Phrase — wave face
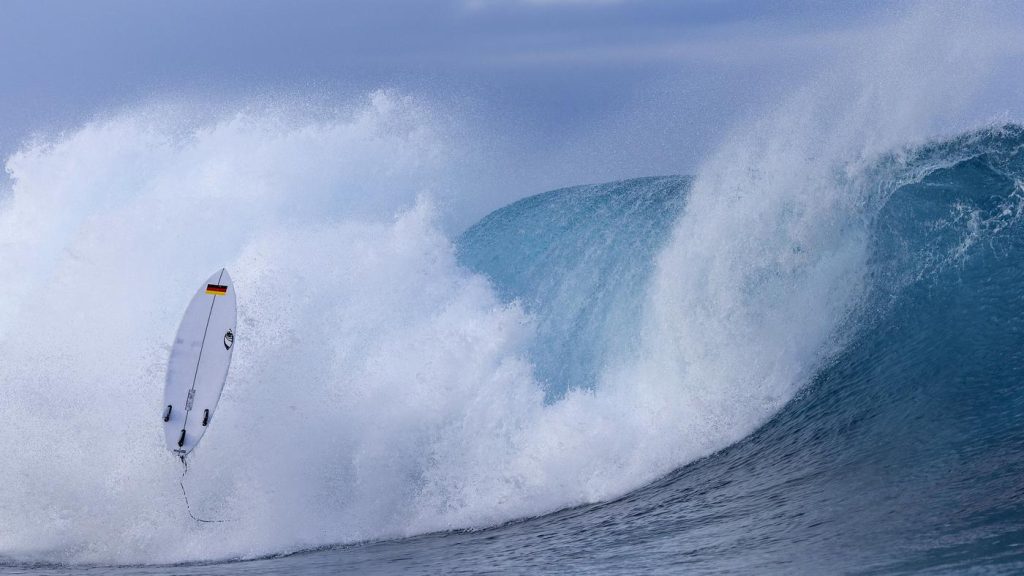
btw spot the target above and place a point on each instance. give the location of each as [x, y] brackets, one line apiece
[905, 451]
[579, 261]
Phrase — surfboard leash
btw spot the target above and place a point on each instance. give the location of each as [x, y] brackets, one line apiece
[183, 493]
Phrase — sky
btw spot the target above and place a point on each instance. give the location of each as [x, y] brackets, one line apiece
[581, 90]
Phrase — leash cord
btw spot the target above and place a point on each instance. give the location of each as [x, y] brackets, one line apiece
[183, 493]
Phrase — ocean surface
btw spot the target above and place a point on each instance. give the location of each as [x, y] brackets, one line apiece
[806, 358]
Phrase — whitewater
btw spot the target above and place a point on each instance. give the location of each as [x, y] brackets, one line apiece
[803, 357]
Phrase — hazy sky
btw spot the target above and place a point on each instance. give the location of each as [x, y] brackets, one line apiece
[636, 86]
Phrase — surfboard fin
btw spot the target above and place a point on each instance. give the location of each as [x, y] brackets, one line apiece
[206, 417]
[167, 413]
[181, 439]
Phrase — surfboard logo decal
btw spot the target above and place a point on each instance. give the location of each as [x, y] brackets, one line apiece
[229, 339]
[216, 289]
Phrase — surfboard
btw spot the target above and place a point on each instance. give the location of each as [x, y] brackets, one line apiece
[198, 365]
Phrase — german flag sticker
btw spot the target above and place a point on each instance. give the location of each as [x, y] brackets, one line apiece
[216, 289]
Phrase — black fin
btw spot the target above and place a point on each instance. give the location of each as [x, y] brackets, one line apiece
[206, 417]
[181, 439]
[167, 414]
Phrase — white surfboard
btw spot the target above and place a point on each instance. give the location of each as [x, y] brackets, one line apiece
[199, 362]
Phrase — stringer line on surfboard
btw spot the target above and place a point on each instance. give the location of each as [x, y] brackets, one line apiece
[195, 375]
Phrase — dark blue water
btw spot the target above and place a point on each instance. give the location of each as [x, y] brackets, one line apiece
[903, 454]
